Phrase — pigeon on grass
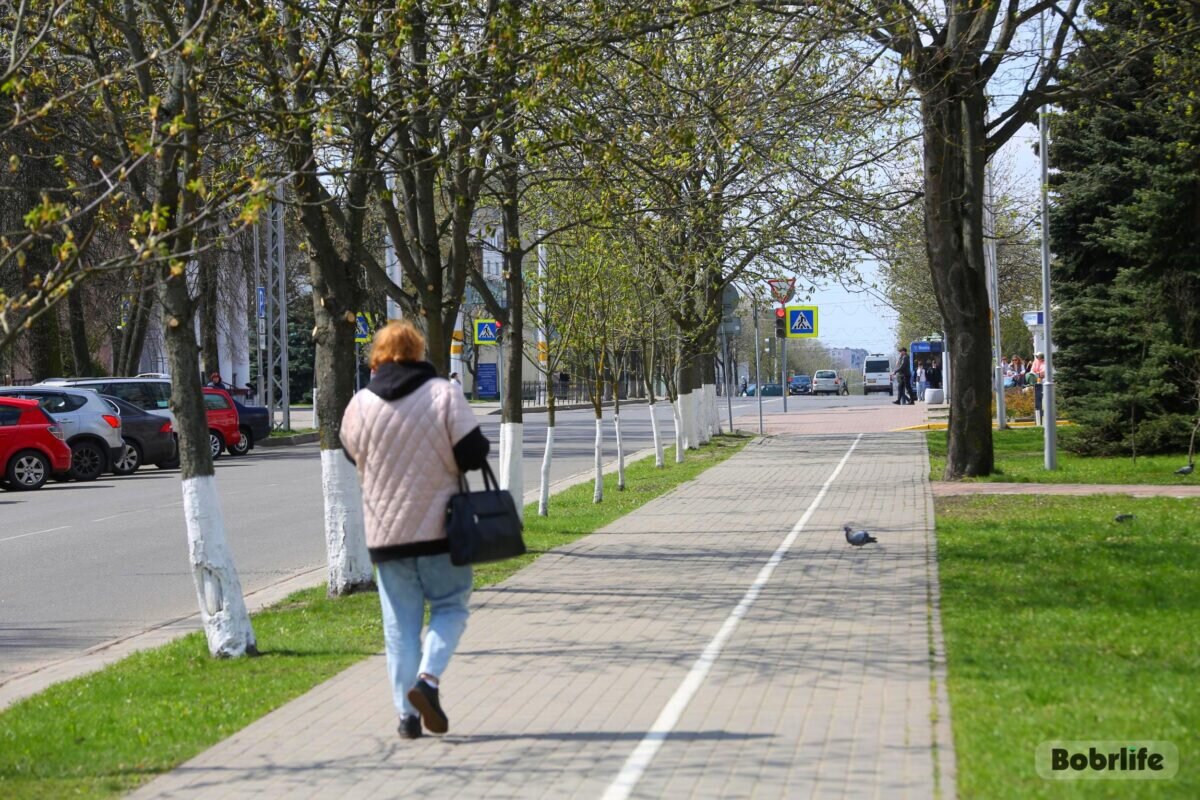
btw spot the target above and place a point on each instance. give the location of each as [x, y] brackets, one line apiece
[1185, 469]
[858, 538]
[1123, 517]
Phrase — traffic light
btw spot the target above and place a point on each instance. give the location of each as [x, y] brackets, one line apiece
[780, 324]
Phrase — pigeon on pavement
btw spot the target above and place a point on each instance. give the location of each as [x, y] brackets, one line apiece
[1122, 517]
[1185, 470]
[858, 538]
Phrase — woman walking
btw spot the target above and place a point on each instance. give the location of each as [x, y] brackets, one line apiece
[412, 434]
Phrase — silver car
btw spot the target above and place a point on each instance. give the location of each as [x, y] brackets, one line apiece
[91, 429]
[826, 381]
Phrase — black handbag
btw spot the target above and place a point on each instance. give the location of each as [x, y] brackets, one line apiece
[483, 526]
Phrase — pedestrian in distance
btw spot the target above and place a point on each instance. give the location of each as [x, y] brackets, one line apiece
[903, 379]
[921, 380]
[412, 435]
[215, 382]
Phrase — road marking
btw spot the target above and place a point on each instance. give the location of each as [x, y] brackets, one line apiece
[35, 533]
[639, 760]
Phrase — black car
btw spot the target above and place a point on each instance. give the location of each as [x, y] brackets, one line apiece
[255, 424]
[148, 439]
[800, 384]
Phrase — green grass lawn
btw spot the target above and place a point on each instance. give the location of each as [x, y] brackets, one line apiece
[1063, 624]
[105, 733]
[1019, 459]
[296, 432]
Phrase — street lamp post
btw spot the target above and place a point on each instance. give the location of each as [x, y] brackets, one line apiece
[1048, 411]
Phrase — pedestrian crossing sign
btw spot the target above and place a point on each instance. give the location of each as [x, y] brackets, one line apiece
[801, 322]
[362, 327]
[485, 331]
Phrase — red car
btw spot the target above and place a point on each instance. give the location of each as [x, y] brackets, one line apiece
[224, 432]
[31, 445]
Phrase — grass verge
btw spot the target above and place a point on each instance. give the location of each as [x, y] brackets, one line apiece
[1061, 623]
[105, 733]
[1019, 459]
[283, 433]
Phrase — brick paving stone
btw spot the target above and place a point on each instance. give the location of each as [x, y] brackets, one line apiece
[823, 689]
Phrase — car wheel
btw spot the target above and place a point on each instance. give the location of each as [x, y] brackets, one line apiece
[216, 444]
[28, 469]
[243, 445]
[87, 461]
[172, 464]
[130, 460]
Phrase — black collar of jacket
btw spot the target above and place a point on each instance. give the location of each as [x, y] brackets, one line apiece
[396, 379]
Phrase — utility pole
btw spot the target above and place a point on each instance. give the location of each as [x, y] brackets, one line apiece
[758, 367]
[1048, 410]
[993, 274]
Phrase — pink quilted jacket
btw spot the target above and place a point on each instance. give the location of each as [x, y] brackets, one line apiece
[404, 451]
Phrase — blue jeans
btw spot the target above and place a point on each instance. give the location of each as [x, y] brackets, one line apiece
[404, 586]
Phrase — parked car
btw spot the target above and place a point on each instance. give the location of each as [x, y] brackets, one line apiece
[32, 447]
[800, 384]
[255, 424]
[877, 374]
[768, 390]
[224, 431]
[91, 429]
[826, 381]
[149, 439]
[152, 394]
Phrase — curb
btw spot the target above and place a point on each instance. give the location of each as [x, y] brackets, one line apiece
[289, 441]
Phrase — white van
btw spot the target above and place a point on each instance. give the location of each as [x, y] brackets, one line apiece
[877, 374]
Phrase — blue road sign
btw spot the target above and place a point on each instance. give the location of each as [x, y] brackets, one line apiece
[261, 295]
[362, 328]
[801, 322]
[485, 331]
[487, 381]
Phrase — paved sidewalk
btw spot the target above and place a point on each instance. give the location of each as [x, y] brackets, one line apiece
[820, 685]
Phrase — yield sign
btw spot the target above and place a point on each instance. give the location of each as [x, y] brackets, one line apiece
[801, 322]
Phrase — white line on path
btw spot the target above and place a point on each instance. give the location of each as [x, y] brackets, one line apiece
[35, 533]
[639, 760]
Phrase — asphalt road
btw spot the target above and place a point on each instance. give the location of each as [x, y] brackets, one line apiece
[81, 564]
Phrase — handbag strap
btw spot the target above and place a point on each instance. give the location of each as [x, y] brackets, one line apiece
[489, 478]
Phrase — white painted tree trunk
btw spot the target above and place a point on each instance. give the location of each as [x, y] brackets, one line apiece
[598, 492]
[687, 418]
[547, 458]
[704, 413]
[714, 414]
[699, 431]
[512, 447]
[218, 590]
[620, 453]
[345, 533]
[658, 444]
[677, 416]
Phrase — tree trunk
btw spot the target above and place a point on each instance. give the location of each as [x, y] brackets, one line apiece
[210, 350]
[218, 589]
[548, 456]
[81, 355]
[598, 487]
[688, 383]
[512, 439]
[617, 430]
[658, 445]
[955, 155]
[44, 347]
[349, 563]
